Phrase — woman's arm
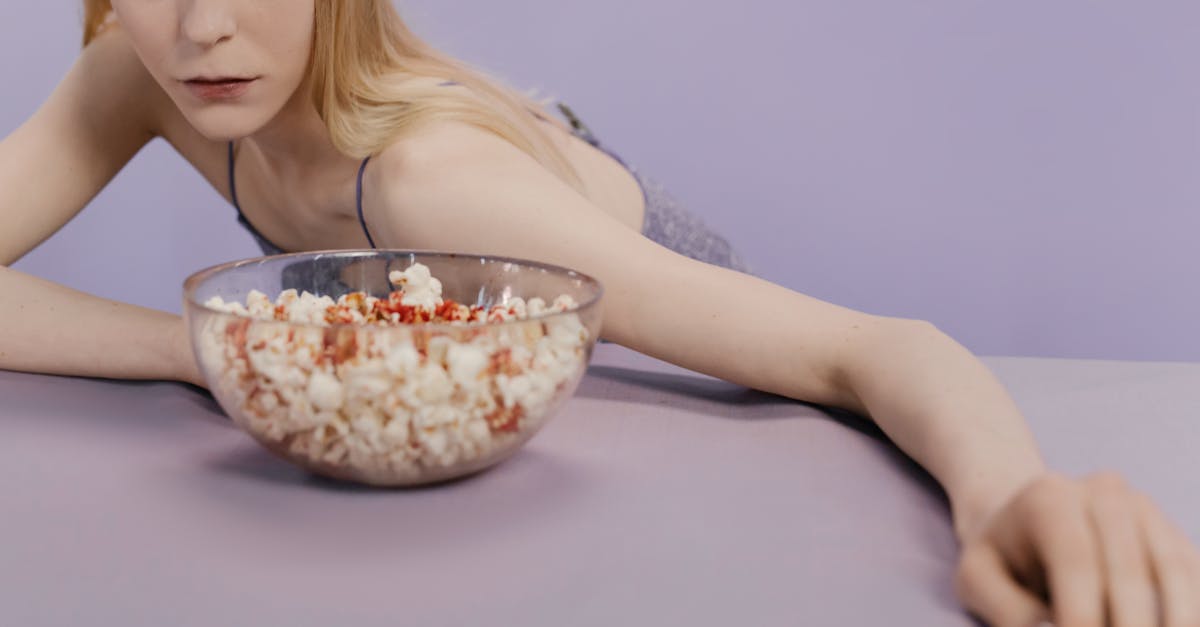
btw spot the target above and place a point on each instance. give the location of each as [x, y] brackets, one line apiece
[915, 382]
[53, 329]
[479, 195]
[99, 116]
[457, 188]
[943, 407]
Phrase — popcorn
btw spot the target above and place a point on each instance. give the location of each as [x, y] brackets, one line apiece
[325, 392]
[420, 288]
[386, 401]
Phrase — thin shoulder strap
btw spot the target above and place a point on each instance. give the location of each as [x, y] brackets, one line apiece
[358, 194]
[577, 125]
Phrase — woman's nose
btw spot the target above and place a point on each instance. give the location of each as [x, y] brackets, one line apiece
[208, 22]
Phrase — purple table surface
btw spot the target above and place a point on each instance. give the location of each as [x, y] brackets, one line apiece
[657, 496]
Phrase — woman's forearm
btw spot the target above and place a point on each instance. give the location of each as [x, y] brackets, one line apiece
[945, 409]
[933, 398]
[53, 329]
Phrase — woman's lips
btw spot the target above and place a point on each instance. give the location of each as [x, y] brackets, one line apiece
[220, 88]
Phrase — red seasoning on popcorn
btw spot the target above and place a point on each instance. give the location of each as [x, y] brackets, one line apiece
[321, 381]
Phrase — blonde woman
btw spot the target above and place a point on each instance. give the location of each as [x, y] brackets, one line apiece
[327, 124]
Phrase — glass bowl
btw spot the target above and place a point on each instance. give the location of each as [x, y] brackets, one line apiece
[392, 405]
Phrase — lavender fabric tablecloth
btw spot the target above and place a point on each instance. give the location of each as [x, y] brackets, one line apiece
[657, 496]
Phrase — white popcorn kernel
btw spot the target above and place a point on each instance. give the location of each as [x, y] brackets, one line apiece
[530, 390]
[477, 431]
[306, 346]
[309, 309]
[234, 308]
[566, 330]
[466, 362]
[481, 406]
[535, 306]
[271, 429]
[397, 429]
[302, 417]
[300, 445]
[287, 298]
[402, 359]
[542, 388]
[331, 427]
[435, 416]
[512, 388]
[335, 453]
[428, 384]
[517, 305]
[521, 355]
[437, 348]
[260, 306]
[318, 448]
[435, 442]
[402, 463]
[325, 391]
[267, 351]
[365, 381]
[269, 402]
[366, 432]
[563, 303]
[419, 286]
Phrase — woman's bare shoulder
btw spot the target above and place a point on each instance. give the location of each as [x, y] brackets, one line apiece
[429, 164]
[440, 143]
[452, 184]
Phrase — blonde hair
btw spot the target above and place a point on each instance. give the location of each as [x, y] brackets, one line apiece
[366, 72]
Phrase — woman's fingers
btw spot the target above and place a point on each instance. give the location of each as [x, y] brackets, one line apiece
[1088, 553]
[986, 588]
[1062, 535]
[1132, 601]
[1176, 567]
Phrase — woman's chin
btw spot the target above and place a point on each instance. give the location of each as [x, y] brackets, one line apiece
[222, 124]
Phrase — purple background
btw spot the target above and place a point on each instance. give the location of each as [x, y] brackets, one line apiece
[1021, 173]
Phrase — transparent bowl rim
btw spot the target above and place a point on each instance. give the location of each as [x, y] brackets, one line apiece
[200, 276]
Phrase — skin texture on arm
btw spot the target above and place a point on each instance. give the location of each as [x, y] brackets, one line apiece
[93, 123]
[50, 167]
[1029, 536]
[461, 189]
[53, 329]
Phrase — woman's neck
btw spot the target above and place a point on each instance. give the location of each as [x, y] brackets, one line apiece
[296, 145]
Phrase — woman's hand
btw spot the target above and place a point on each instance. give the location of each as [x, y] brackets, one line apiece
[1076, 553]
